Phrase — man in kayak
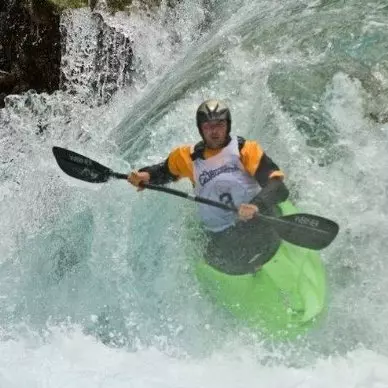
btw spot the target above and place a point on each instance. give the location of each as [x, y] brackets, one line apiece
[234, 171]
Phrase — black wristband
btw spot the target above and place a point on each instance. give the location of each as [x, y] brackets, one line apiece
[274, 192]
[159, 173]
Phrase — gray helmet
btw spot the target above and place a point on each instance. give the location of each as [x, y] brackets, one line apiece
[213, 110]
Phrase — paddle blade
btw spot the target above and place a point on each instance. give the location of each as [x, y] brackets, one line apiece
[306, 230]
[81, 167]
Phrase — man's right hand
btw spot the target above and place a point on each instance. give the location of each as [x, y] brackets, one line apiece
[137, 177]
[247, 211]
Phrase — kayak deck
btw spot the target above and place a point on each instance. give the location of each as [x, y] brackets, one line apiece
[284, 298]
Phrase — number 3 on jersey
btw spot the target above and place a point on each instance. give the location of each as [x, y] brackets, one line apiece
[226, 199]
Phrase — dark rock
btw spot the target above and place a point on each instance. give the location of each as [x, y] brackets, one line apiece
[29, 47]
[36, 52]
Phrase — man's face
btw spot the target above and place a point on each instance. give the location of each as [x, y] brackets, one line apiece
[214, 133]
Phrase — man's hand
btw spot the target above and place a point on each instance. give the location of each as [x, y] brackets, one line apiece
[247, 211]
[136, 177]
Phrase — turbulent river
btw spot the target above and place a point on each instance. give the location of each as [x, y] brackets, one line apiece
[96, 286]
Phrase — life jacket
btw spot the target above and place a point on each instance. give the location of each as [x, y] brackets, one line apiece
[222, 178]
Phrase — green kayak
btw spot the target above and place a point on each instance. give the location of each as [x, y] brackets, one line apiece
[284, 298]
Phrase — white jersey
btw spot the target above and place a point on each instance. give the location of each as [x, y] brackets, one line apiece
[222, 178]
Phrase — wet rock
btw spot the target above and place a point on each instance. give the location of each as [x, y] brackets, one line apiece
[29, 47]
[104, 57]
[37, 48]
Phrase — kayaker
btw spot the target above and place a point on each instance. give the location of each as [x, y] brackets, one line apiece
[231, 170]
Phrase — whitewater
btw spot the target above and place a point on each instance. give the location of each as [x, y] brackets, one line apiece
[96, 286]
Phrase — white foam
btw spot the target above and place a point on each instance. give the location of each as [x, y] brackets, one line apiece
[73, 360]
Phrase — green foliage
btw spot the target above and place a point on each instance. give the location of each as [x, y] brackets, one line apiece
[63, 4]
[118, 5]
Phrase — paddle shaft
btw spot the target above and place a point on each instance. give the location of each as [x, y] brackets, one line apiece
[298, 222]
[178, 193]
[209, 202]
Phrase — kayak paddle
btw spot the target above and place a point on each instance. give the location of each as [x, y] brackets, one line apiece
[305, 230]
